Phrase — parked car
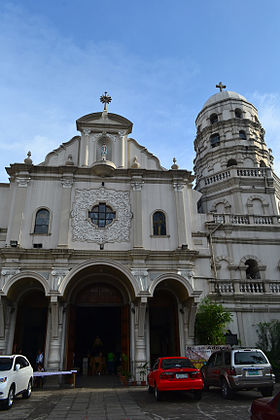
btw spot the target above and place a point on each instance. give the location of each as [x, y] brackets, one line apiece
[16, 377]
[239, 369]
[266, 408]
[174, 374]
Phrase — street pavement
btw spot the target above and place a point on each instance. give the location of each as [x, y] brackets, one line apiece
[104, 398]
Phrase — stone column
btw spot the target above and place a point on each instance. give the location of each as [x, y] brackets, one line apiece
[136, 185]
[140, 344]
[17, 208]
[67, 183]
[123, 156]
[84, 145]
[181, 213]
[54, 346]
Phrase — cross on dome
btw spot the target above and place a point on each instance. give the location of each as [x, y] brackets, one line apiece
[221, 86]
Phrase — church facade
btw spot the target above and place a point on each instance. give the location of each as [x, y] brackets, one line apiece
[101, 240]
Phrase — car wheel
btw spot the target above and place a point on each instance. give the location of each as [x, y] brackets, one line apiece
[10, 400]
[197, 394]
[157, 393]
[150, 389]
[267, 392]
[27, 393]
[226, 391]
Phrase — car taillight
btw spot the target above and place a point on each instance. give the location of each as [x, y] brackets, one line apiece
[196, 375]
[271, 371]
[231, 372]
[167, 375]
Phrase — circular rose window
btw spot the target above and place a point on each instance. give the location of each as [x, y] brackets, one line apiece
[102, 215]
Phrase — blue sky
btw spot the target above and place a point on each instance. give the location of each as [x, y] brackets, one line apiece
[159, 60]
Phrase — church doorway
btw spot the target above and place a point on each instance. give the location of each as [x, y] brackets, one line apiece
[164, 332]
[31, 323]
[98, 324]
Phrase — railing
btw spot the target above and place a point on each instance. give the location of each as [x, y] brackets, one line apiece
[255, 287]
[274, 287]
[252, 172]
[238, 172]
[218, 177]
[247, 219]
[244, 287]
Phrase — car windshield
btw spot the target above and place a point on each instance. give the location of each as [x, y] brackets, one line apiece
[249, 358]
[5, 363]
[176, 363]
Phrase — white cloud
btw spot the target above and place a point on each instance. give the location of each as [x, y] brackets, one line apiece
[268, 105]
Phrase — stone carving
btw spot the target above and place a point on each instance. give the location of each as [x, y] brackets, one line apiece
[66, 182]
[178, 186]
[6, 274]
[57, 277]
[84, 230]
[22, 182]
[141, 276]
[86, 131]
[137, 185]
[188, 275]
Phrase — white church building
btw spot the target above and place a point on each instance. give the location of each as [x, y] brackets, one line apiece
[101, 240]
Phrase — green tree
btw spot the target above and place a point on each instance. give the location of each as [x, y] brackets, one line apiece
[211, 320]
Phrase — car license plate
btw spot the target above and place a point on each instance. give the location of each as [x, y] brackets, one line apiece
[181, 375]
[253, 372]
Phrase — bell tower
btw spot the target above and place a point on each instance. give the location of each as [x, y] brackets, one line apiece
[233, 166]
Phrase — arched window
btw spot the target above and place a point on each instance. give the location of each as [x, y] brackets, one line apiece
[242, 135]
[231, 162]
[213, 118]
[252, 270]
[102, 215]
[238, 113]
[42, 220]
[159, 223]
[215, 139]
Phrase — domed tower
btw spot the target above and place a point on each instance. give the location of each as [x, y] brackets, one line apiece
[233, 165]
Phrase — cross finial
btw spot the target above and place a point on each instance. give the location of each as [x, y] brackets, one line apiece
[105, 99]
[221, 86]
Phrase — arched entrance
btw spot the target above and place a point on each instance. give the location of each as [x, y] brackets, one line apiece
[31, 324]
[164, 331]
[98, 307]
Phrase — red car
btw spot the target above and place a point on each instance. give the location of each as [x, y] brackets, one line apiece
[266, 408]
[174, 374]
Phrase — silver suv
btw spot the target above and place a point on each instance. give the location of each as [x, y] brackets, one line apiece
[239, 369]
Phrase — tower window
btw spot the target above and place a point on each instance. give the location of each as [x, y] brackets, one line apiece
[102, 215]
[159, 223]
[242, 135]
[262, 164]
[252, 270]
[213, 118]
[238, 113]
[215, 140]
[231, 162]
[42, 221]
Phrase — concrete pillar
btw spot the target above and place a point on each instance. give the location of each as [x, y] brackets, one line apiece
[136, 185]
[67, 183]
[180, 213]
[17, 207]
[84, 147]
[54, 345]
[140, 343]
